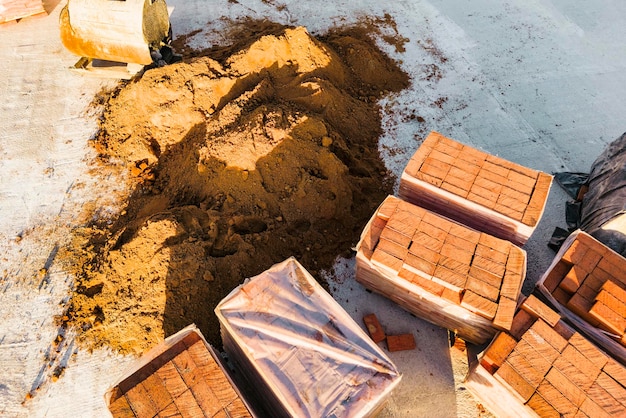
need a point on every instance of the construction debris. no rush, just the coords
(477, 189)
(544, 368)
(182, 376)
(586, 283)
(300, 351)
(442, 271)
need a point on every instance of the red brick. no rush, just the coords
(511, 284)
(434, 168)
(423, 239)
(561, 296)
(494, 243)
(444, 158)
(495, 166)
(488, 265)
(556, 399)
(400, 342)
(463, 232)
(590, 260)
(392, 248)
(397, 237)
(419, 265)
(374, 329)
(495, 354)
(120, 408)
(605, 400)
(453, 295)
(537, 308)
(575, 357)
(424, 252)
(450, 276)
(607, 318)
(472, 156)
(573, 279)
(525, 368)
(539, 362)
(403, 222)
(461, 243)
(508, 211)
(482, 288)
(485, 276)
(434, 232)
(427, 178)
(488, 195)
(572, 392)
(543, 409)
(455, 190)
(520, 197)
(542, 346)
(187, 405)
(480, 200)
(528, 177)
(478, 304)
(418, 280)
(491, 254)
(588, 350)
(386, 260)
(613, 387)
(575, 252)
(521, 322)
(140, 401)
(505, 313)
(387, 208)
(552, 337)
(555, 275)
(520, 385)
(486, 181)
(455, 253)
(572, 372)
(615, 370)
(592, 409)
(580, 306)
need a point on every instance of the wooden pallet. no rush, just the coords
(11, 10)
(586, 283)
(544, 368)
(482, 191)
(440, 270)
(180, 377)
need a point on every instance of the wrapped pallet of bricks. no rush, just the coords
(586, 283)
(302, 354)
(442, 271)
(542, 367)
(482, 191)
(182, 377)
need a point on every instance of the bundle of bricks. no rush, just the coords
(179, 378)
(589, 280)
(472, 279)
(477, 189)
(11, 10)
(543, 367)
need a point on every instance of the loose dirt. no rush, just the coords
(239, 159)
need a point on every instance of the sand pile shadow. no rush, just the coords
(239, 164)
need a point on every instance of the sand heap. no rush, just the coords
(237, 165)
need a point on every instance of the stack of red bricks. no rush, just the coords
(184, 380)
(473, 270)
(18, 9)
(544, 367)
(480, 190)
(589, 279)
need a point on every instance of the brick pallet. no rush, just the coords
(303, 355)
(586, 283)
(180, 377)
(18, 9)
(482, 191)
(544, 368)
(442, 271)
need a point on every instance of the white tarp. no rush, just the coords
(303, 354)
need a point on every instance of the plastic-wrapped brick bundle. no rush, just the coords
(299, 350)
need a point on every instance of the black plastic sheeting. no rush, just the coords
(604, 200)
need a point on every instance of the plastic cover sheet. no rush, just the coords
(309, 355)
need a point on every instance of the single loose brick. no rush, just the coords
(374, 329)
(400, 342)
(538, 309)
(521, 322)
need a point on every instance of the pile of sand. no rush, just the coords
(238, 164)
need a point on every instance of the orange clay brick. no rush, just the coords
(573, 279)
(449, 276)
(456, 253)
(473, 155)
(400, 342)
(545, 349)
(588, 350)
(502, 345)
(119, 406)
(545, 331)
(427, 178)
(444, 158)
(460, 243)
(485, 276)
(525, 368)
(437, 221)
(605, 400)
(555, 275)
(487, 194)
(482, 288)
(387, 208)
(543, 409)
(433, 231)
(384, 259)
(423, 239)
(464, 171)
(453, 295)
(596, 281)
(453, 265)
(507, 373)
(572, 372)
(590, 260)
(572, 392)
(478, 304)
(529, 178)
(488, 265)
(491, 254)
(561, 296)
(495, 243)
(518, 196)
(370, 238)
(488, 184)
(449, 145)
(140, 401)
(522, 321)
(611, 386)
(454, 189)
(412, 168)
(607, 318)
(528, 172)
(511, 284)
(463, 232)
(538, 309)
(418, 280)
(495, 166)
(540, 363)
(399, 238)
(480, 200)
(418, 264)
(508, 211)
(158, 391)
(435, 168)
(580, 306)
(616, 270)
(424, 253)
(613, 297)
(172, 379)
(614, 290)
(520, 187)
(505, 313)
(592, 409)
(374, 329)
(392, 248)
(403, 222)
(510, 202)
(555, 398)
(575, 252)
(615, 370)
(587, 292)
